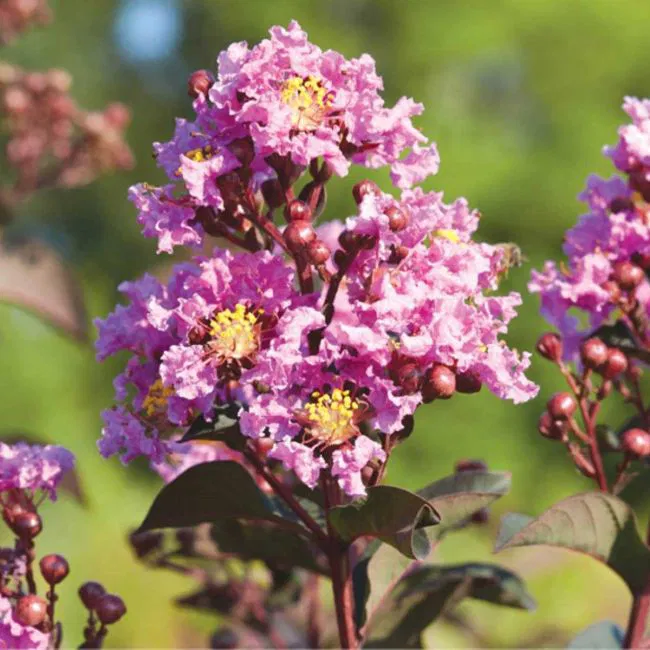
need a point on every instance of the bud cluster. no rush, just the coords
(18, 15)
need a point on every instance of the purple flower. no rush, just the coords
(16, 636)
(33, 468)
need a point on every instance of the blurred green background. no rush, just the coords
(520, 97)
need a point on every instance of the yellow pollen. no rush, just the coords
(234, 332)
(309, 99)
(451, 235)
(156, 399)
(331, 416)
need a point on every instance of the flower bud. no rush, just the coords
(408, 377)
(318, 252)
(363, 188)
(273, 193)
(340, 258)
(613, 290)
(298, 234)
(593, 353)
(468, 383)
(110, 609)
(397, 218)
(628, 276)
(549, 346)
(636, 443)
(642, 260)
(616, 364)
(297, 210)
(550, 428)
(561, 406)
(263, 446)
(349, 240)
(54, 568)
(27, 525)
(243, 149)
(90, 593)
(307, 195)
(30, 610)
(470, 465)
(621, 204)
(199, 83)
(439, 383)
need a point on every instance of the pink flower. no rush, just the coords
(419, 164)
(16, 636)
(348, 463)
(33, 468)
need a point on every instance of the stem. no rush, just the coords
(51, 600)
(639, 615)
(313, 611)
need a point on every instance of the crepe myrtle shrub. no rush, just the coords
(269, 381)
(29, 475)
(599, 302)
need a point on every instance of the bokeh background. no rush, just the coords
(520, 97)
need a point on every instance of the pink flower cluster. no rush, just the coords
(33, 468)
(15, 635)
(326, 374)
(608, 250)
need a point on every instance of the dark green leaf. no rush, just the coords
(34, 277)
(224, 427)
(390, 514)
(599, 636)
(277, 547)
(210, 492)
(600, 525)
(420, 597)
(457, 497)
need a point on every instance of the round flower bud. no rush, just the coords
(549, 346)
(628, 276)
(348, 240)
(27, 525)
(273, 193)
(397, 218)
(408, 377)
(363, 188)
(199, 83)
(110, 609)
(439, 383)
(340, 258)
(243, 149)
(470, 465)
(297, 210)
(636, 443)
(561, 406)
(307, 195)
(613, 290)
(318, 252)
(90, 593)
(550, 428)
(263, 446)
(468, 383)
(54, 568)
(593, 353)
(616, 364)
(298, 234)
(30, 610)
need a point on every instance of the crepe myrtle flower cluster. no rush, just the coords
(16, 16)
(599, 301)
(29, 474)
(328, 337)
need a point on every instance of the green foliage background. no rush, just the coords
(520, 97)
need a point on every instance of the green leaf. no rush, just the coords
(224, 427)
(599, 636)
(393, 515)
(278, 548)
(600, 525)
(34, 278)
(425, 593)
(457, 497)
(209, 492)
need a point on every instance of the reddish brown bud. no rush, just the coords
(642, 260)
(110, 609)
(613, 290)
(636, 443)
(468, 383)
(318, 252)
(621, 204)
(199, 83)
(549, 346)
(243, 149)
(349, 241)
(593, 353)
(397, 218)
(628, 276)
(54, 568)
(263, 446)
(27, 525)
(273, 193)
(408, 377)
(550, 428)
(90, 594)
(30, 610)
(298, 234)
(561, 406)
(470, 465)
(439, 383)
(340, 258)
(314, 194)
(297, 210)
(616, 364)
(363, 188)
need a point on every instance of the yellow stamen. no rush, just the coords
(156, 400)
(235, 332)
(309, 99)
(331, 416)
(451, 235)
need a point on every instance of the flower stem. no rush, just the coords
(639, 615)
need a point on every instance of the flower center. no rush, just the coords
(309, 99)
(331, 418)
(200, 155)
(235, 333)
(156, 400)
(445, 233)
